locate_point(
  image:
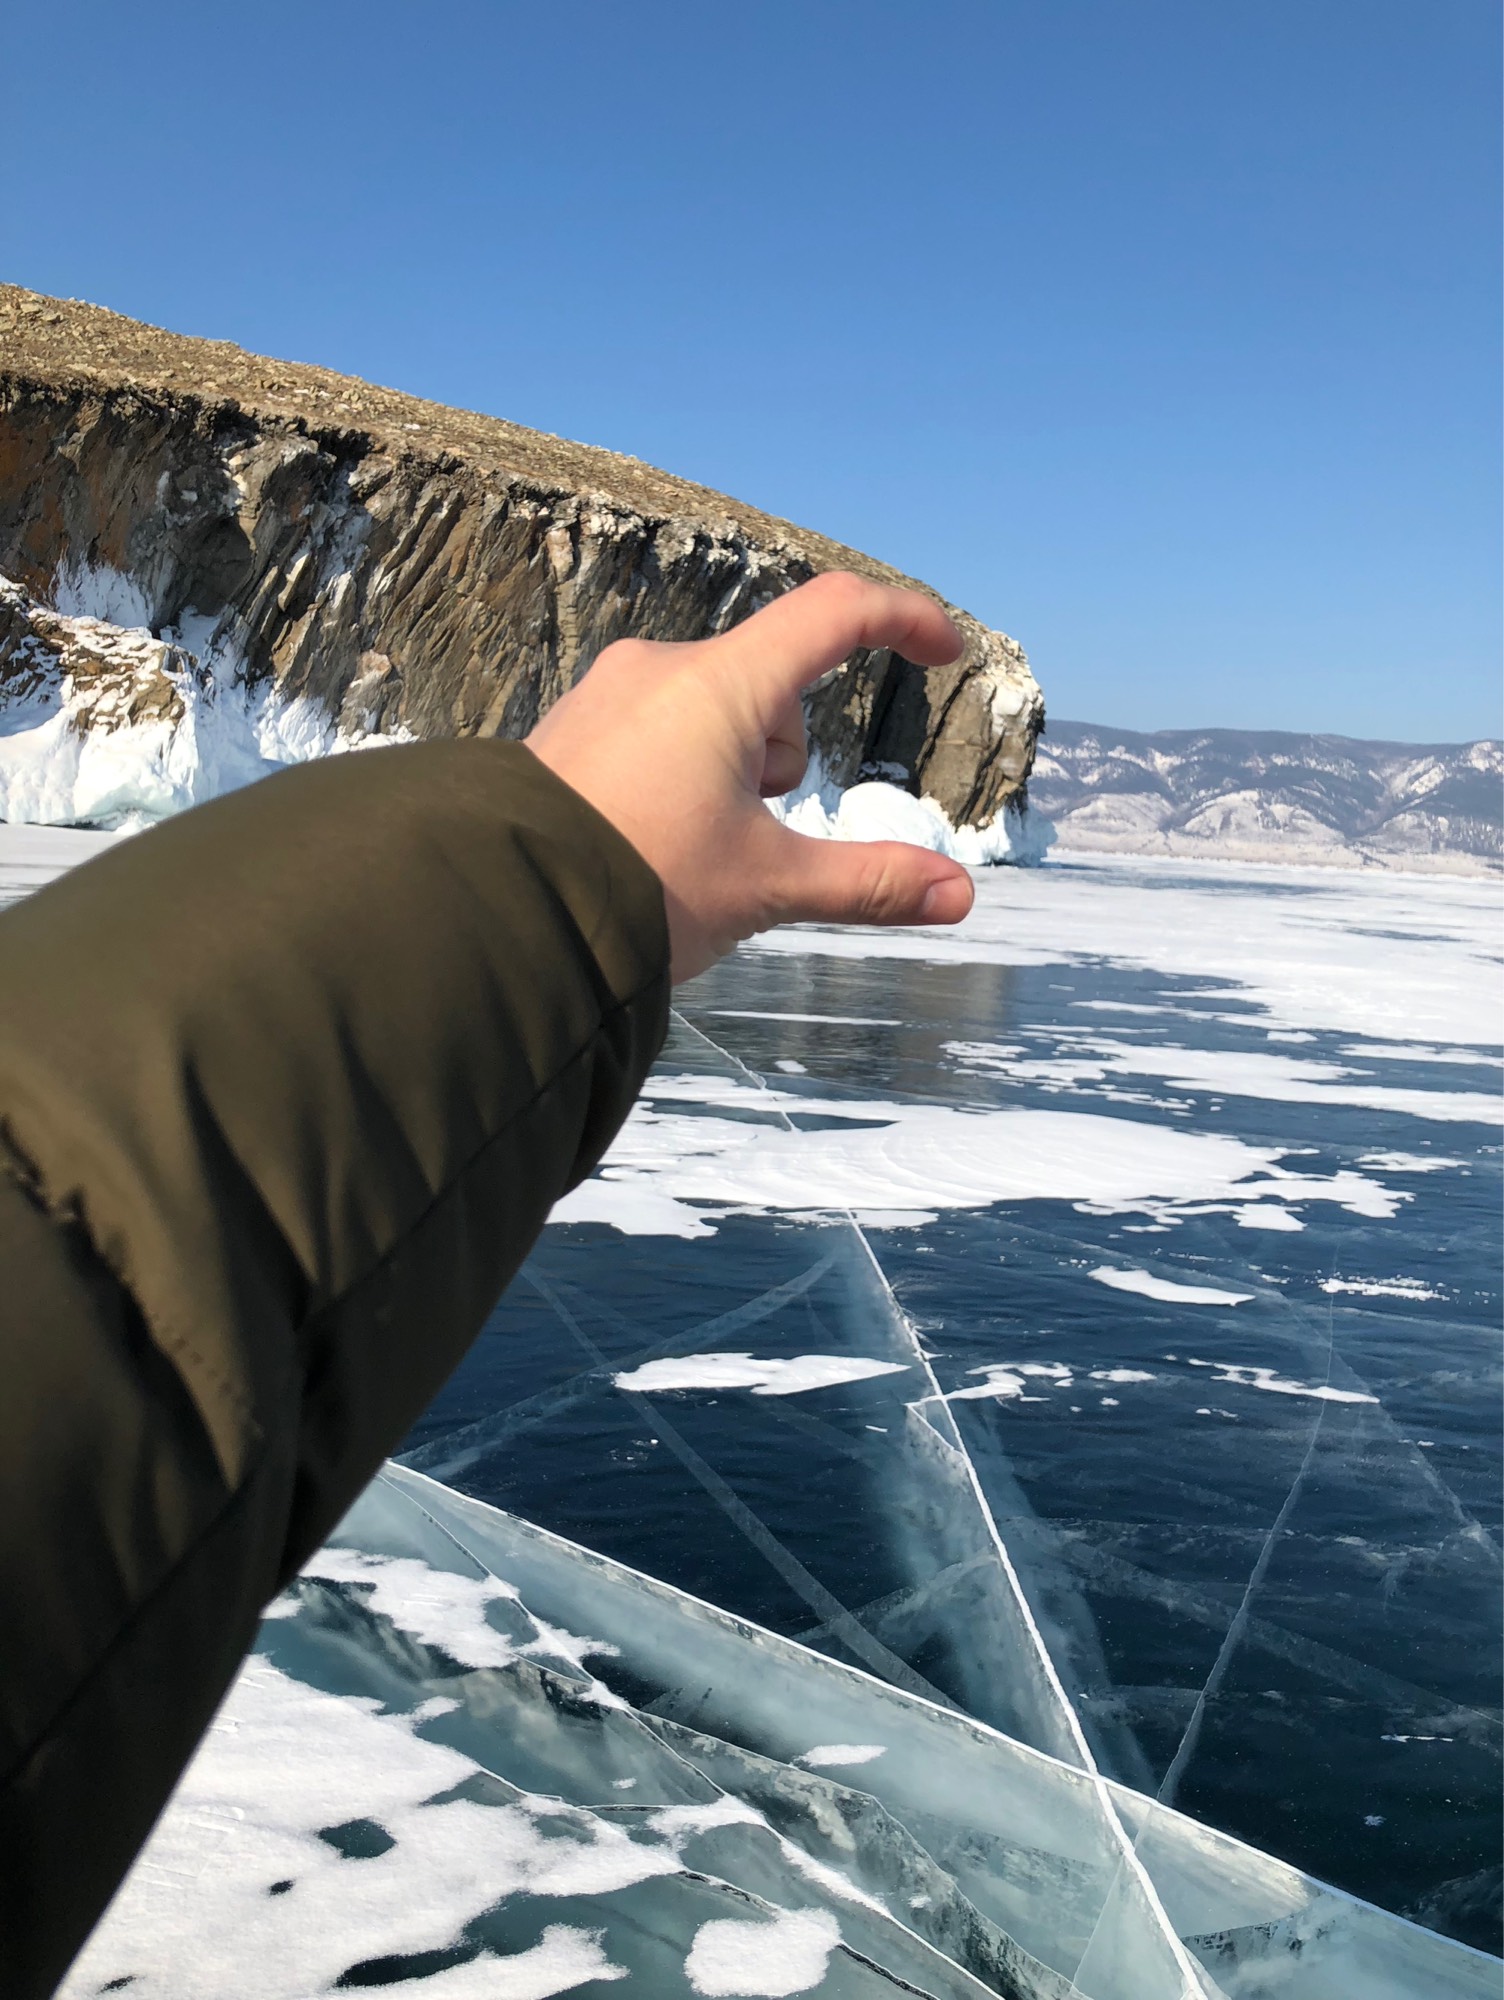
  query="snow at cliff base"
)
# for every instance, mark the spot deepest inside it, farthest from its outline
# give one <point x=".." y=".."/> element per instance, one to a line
<point x="61" y="766"/>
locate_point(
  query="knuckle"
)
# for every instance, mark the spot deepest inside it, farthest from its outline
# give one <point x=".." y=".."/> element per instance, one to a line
<point x="885" y="899"/>
<point x="841" y="586"/>
<point x="620" y="654"/>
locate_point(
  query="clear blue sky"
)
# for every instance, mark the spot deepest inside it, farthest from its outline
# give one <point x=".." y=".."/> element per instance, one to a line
<point x="1161" y="333"/>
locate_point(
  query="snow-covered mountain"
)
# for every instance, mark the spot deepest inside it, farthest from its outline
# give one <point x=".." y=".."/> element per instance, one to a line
<point x="1232" y="794"/>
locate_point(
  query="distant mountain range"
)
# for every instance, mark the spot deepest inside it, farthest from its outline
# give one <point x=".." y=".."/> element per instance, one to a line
<point x="1249" y="795"/>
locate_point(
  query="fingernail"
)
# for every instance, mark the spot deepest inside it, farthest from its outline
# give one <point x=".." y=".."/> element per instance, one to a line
<point x="934" y="898"/>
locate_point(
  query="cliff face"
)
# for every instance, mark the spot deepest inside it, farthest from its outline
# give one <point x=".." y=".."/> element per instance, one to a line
<point x="366" y="564"/>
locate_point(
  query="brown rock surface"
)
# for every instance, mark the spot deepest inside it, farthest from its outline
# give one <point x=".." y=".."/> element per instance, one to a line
<point x="416" y="568"/>
<point x="110" y="677"/>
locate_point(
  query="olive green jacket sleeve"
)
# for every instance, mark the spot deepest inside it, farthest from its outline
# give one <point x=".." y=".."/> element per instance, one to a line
<point x="287" y="1089"/>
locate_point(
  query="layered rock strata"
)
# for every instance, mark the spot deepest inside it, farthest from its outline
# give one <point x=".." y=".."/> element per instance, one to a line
<point x="384" y="566"/>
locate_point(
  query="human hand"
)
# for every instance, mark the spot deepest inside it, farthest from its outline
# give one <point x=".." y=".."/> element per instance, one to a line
<point x="678" y="745"/>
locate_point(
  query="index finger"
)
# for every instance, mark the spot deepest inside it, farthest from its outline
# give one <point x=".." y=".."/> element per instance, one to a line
<point x="797" y="638"/>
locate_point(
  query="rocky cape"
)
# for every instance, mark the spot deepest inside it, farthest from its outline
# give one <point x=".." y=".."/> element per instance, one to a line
<point x="1236" y="795"/>
<point x="215" y="564"/>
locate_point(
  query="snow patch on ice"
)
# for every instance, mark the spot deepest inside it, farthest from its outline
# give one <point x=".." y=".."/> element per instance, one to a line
<point x="1150" y="1287"/>
<point x="283" y="1760"/>
<point x="1375" y="1288"/>
<point x="1126" y="1007"/>
<point x="1418" y="1052"/>
<point x="1266" y="1215"/>
<point x="677" y="1172"/>
<point x="632" y="1209"/>
<point x="764" y="1377"/>
<point x="825" y="1755"/>
<point x="1005" y="1381"/>
<point x="1001" y="1385"/>
<point x="437" y="1607"/>
<point x="1088" y="1060"/>
<point x="445" y="1609"/>
<point x="1279" y="1385"/>
<point x="677" y="1823"/>
<point x="787" y="1955"/>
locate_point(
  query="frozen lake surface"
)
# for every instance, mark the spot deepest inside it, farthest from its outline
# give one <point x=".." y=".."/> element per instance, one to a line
<point x="1088" y="1323"/>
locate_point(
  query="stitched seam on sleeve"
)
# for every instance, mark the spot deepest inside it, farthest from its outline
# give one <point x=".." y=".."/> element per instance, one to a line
<point x="26" y="1176"/>
<point x="342" y="1299"/>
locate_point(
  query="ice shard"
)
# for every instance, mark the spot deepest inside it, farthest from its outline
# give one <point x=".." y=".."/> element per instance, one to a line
<point x="471" y="1758"/>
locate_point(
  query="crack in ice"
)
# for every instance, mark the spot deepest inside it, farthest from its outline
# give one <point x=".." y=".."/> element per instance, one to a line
<point x="1124" y="1842"/>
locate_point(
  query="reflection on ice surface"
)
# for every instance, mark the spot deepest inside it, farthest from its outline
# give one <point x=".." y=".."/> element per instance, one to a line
<point x="473" y="1797"/>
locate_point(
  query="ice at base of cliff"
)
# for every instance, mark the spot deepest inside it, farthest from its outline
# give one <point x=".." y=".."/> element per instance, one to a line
<point x="51" y="774"/>
<point x="55" y="772"/>
<point x="878" y="809"/>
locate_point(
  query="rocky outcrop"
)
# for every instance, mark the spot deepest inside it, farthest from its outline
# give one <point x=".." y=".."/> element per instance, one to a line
<point x="1243" y="795"/>
<point x="382" y="566"/>
<point x="110" y="678"/>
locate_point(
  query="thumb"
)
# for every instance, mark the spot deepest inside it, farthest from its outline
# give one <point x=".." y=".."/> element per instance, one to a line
<point x="869" y="882"/>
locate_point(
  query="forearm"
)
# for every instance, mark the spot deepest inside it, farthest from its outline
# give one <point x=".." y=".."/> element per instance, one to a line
<point x="288" y="1087"/>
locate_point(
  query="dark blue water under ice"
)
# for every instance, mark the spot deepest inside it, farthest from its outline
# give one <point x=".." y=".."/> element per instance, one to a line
<point x="1279" y="1611"/>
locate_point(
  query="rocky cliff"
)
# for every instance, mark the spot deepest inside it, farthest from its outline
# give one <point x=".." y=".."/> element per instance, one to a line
<point x="1244" y="795"/>
<point x="217" y="562"/>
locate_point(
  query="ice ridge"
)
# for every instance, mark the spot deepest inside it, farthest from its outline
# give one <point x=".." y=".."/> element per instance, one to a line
<point x="531" y="1826"/>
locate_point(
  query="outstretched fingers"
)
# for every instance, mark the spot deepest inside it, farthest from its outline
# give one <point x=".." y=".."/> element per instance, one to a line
<point x="792" y="641"/>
